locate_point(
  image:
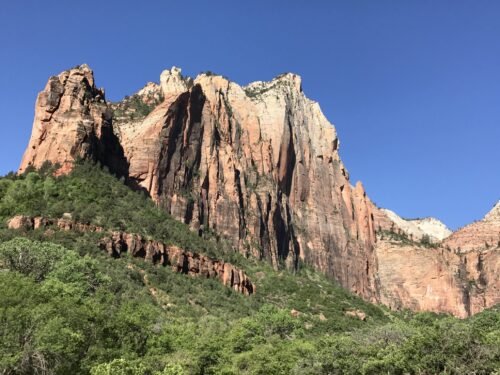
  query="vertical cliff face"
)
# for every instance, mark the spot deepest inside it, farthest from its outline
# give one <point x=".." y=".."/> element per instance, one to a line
<point x="260" y="166"/>
<point x="458" y="275"/>
<point x="72" y="121"/>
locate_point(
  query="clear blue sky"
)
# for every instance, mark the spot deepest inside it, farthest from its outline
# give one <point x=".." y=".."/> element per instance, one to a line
<point x="413" y="86"/>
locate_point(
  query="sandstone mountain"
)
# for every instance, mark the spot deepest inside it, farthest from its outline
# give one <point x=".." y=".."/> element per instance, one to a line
<point x="459" y="275"/>
<point x="73" y="120"/>
<point x="482" y="234"/>
<point x="260" y="166"/>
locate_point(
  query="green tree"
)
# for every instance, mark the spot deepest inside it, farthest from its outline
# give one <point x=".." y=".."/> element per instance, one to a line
<point x="35" y="259"/>
<point x="118" y="367"/>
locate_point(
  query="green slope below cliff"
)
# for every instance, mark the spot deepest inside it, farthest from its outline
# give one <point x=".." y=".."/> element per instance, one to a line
<point x="66" y="307"/>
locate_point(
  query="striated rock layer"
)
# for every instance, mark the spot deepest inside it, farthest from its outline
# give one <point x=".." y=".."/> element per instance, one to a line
<point x="482" y="234"/>
<point x="73" y="121"/>
<point x="438" y="279"/>
<point x="259" y="165"/>
<point x="117" y="243"/>
<point x="459" y="275"/>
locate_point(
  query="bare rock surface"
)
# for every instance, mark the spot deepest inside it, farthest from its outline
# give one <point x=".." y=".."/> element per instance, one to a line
<point x="257" y="164"/>
<point x="437" y="279"/>
<point x="434" y="229"/>
<point x="260" y="166"/>
<point x="482" y="234"/>
<point x="73" y="120"/>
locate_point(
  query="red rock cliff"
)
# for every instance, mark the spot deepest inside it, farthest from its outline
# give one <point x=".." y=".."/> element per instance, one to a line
<point x="258" y="164"/>
<point x="72" y="121"/>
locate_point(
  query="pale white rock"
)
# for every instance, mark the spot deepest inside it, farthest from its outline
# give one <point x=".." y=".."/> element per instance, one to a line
<point x="433" y="227"/>
<point x="172" y="82"/>
<point x="270" y="100"/>
<point x="417" y="228"/>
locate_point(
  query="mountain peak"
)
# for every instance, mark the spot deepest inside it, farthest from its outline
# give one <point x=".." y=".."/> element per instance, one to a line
<point x="292" y="79"/>
<point x="430" y="226"/>
<point x="285" y="80"/>
<point x="494" y="214"/>
<point x="172" y="82"/>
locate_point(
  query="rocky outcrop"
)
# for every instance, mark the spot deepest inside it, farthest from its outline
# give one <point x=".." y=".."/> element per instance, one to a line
<point x="117" y="243"/>
<point x="179" y="260"/>
<point x="72" y="121"/>
<point x="416" y="229"/>
<point x="260" y="166"/>
<point x="432" y="227"/>
<point x="359" y="314"/>
<point x="482" y="234"/>
<point x="494" y="215"/>
<point x="459" y="275"/>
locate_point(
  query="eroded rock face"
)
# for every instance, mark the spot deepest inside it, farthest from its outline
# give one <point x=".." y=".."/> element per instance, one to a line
<point x="459" y="275"/>
<point x="482" y="234"/>
<point x="117" y="243"/>
<point x="257" y="164"/>
<point x="416" y="229"/>
<point x="438" y="279"/>
<point x="73" y="120"/>
<point x="260" y="166"/>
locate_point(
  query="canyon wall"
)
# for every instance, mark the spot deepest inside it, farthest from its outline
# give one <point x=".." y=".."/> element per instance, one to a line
<point x="459" y="274"/>
<point x="437" y="279"/>
<point x="258" y="165"/>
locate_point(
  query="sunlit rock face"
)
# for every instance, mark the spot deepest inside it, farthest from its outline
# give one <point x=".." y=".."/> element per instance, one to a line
<point x="258" y="165"/>
<point x="482" y="234"/>
<point x="459" y="275"/>
<point x="416" y="229"/>
<point x="73" y="120"/>
<point x="438" y="279"/>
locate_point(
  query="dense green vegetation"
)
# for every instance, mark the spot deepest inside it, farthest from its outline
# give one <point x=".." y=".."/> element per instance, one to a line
<point x="135" y="107"/>
<point x="402" y="237"/>
<point x="67" y="308"/>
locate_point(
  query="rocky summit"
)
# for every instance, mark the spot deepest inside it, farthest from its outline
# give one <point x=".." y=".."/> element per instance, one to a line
<point x="259" y="165"/>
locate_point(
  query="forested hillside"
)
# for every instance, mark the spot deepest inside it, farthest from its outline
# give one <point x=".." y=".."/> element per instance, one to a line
<point x="66" y="307"/>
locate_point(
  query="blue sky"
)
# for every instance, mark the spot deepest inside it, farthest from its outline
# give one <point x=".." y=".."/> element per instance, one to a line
<point x="413" y="87"/>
